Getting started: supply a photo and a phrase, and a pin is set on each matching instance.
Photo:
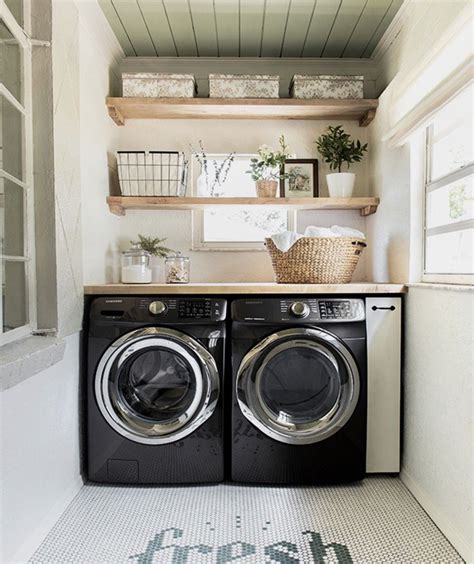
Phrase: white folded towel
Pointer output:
(285, 240)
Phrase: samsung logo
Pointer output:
(113, 301)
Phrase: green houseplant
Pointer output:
(266, 169)
(153, 245)
(337, 148)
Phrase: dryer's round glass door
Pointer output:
(298, 386)
(156, 385)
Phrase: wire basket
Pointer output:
(152, 173)
(316, 260)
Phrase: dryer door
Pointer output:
(298, 386)
(156, 385)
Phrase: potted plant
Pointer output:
(337, 147)
(266, 169)
(153, 246)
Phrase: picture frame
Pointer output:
(304, 183)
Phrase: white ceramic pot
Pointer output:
(340, 184)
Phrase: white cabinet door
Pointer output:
(384, 317)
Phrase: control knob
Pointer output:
(157, 308)
(299, 309)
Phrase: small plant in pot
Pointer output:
(266, 169)
(337, 148)
(153, 245)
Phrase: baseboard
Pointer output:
(460, 543)
(28, 548)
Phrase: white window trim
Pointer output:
(22, 35)
(430, 277)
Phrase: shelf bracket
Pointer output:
(366, 118)
(117, 209)
(116, 115)
(368, 210)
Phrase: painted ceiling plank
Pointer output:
(345, 22)
(227, 19)
(299, 20)
(381, 29)
(181, 24)
(371, 17)
(251, 25)
(132, 19)
(202, 13)
(275, 18)
(117, 27)
(158, 26)
(323, 19)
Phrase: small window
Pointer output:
(17, 303)
(235, 227)
(449, 193)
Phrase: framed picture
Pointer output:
(302, 181)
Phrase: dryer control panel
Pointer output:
(295, 310)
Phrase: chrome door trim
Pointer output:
(249, 375)
(125, 421)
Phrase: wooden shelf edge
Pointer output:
(119, 204)
(120, 109)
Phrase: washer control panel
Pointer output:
(296, 310)
(162, 309)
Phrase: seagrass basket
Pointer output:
(316, 260)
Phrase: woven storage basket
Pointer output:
(316, 260)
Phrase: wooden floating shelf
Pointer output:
(122, 109)
(119, 204)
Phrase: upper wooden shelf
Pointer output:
(119, 204)
(121, 109)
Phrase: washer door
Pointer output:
(298, 386)
(156, 385)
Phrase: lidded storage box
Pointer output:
(327, 86)
(158, 85)
(243, 86)
(153, 173)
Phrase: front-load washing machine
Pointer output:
(299, 390)
(154, 390)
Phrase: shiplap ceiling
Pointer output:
(249, 28)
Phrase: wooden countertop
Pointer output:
(224, 288)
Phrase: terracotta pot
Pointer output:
(266, 188)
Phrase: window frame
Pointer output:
(430, 185)
(197, 220)
(22, 35)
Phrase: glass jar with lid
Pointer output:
(136, 266)
(177, 269)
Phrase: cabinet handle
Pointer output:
(391, 308)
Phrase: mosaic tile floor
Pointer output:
(376, 521)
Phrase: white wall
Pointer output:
(437, 458)
(99, 54)
(218, 136)
(39, 453)
(438, 392)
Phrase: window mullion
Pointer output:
(13, 101)
(458, 174)
(15, 29)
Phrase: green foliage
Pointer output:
(337, 147)
(269, 163)
(153, 246)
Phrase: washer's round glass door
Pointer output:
(298, 386)
(156, 385)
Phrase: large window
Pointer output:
(17, 302)
(235, 228)
(449, 193)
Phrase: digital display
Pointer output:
(334, 309)
(194, 309)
